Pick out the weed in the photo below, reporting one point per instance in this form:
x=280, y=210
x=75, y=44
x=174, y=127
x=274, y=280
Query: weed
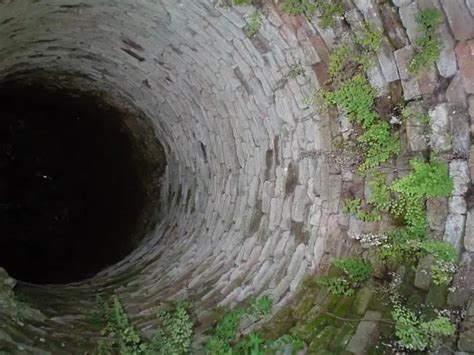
x=428, y=47
x=338, y=59
x=337, y=286
x=244, y=2
x=299, y=7
x=254, y=25
x=371, y=38
x=351, y=206
x=173, y=336
x=379, y=192
x=413, y=333
x=355, y=269
x=224, y=333
x=356, y=97
x=329, y=12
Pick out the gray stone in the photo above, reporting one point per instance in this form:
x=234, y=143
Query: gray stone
x=459, y=171
x=460, y=130
x=446, y=62
x=466, y=338
x=437, y=212
x=387, y=62
x=454, y=230
x=410, y=85
x=470, y=6
x=362, y=300
x=399, y=3
x=462, y=287
x=423, y=273
x=459, y=18
x=366, y=332
x=408, y=15
x=416, y=130
x=440, y=139
x=455, y=93
x=469, y=234
x=457, y=205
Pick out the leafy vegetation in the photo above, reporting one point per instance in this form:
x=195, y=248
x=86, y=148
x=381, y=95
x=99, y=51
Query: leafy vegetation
x=173, y=336
x=254, y=25
x=244, y=2
x=224, y=334
x=337, y=286
x=413, y=333
x=299, y=7
x=328, y=10
x=328, y=13
x=338, y=59
x=355, y=269
x=428, y=46
x=371, y=38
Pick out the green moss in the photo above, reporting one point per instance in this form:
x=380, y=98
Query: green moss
x=321, y=340
x=342, y=337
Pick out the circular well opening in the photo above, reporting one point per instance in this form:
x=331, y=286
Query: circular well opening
x=77, y=190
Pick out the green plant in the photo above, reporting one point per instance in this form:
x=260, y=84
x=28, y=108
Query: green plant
x=224, y=334
x=261, y=307
x=338, y=59
x=328, y=13
x=380, y=145
x=254, y=25
x=415, y=334
x=337, y=286
x=298, y=7
x=351, y=206
x=427, y=180
x=244, y=2
x=356, y=97
x=428, y=47
x=357, y=270
x=174, y=333
x=118, y=334
x=371, y=38
x=369, y=216
x=379, y=192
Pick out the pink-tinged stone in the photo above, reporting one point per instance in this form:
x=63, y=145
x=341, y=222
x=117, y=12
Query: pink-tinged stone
x=459, y=18
x=320, y=47
x=465, y=55
x=428, y=82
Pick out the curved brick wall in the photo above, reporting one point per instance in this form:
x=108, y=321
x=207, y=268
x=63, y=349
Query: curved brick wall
x=248, y=197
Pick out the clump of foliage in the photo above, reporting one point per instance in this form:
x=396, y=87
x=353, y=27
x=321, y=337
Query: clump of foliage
x=380, y=196
x=380, y=145
x=428, y=45
x=253, y=344
x=414, y=333
x=371, y=38
x=427, y=180
x=355, y=269
x=173, y=336
x=356, y=97
x=244, y=2
x=352, y=206
x=175, y=333
x=118, y=335
x=299, y=7
x=338, y=59
x=337, y=286
x=254, y=25
x=224, y=334
x=329, y=11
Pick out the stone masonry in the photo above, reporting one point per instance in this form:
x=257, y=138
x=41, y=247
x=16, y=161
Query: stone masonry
x=252, y=195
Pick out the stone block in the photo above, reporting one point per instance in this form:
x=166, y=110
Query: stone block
x=465, y=55
x=366, y=332
x=459, y=18
x=469, y=234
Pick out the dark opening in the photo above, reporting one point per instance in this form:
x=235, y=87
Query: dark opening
x=72, y=186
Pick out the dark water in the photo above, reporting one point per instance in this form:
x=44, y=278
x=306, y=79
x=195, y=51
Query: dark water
x=70, y=188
